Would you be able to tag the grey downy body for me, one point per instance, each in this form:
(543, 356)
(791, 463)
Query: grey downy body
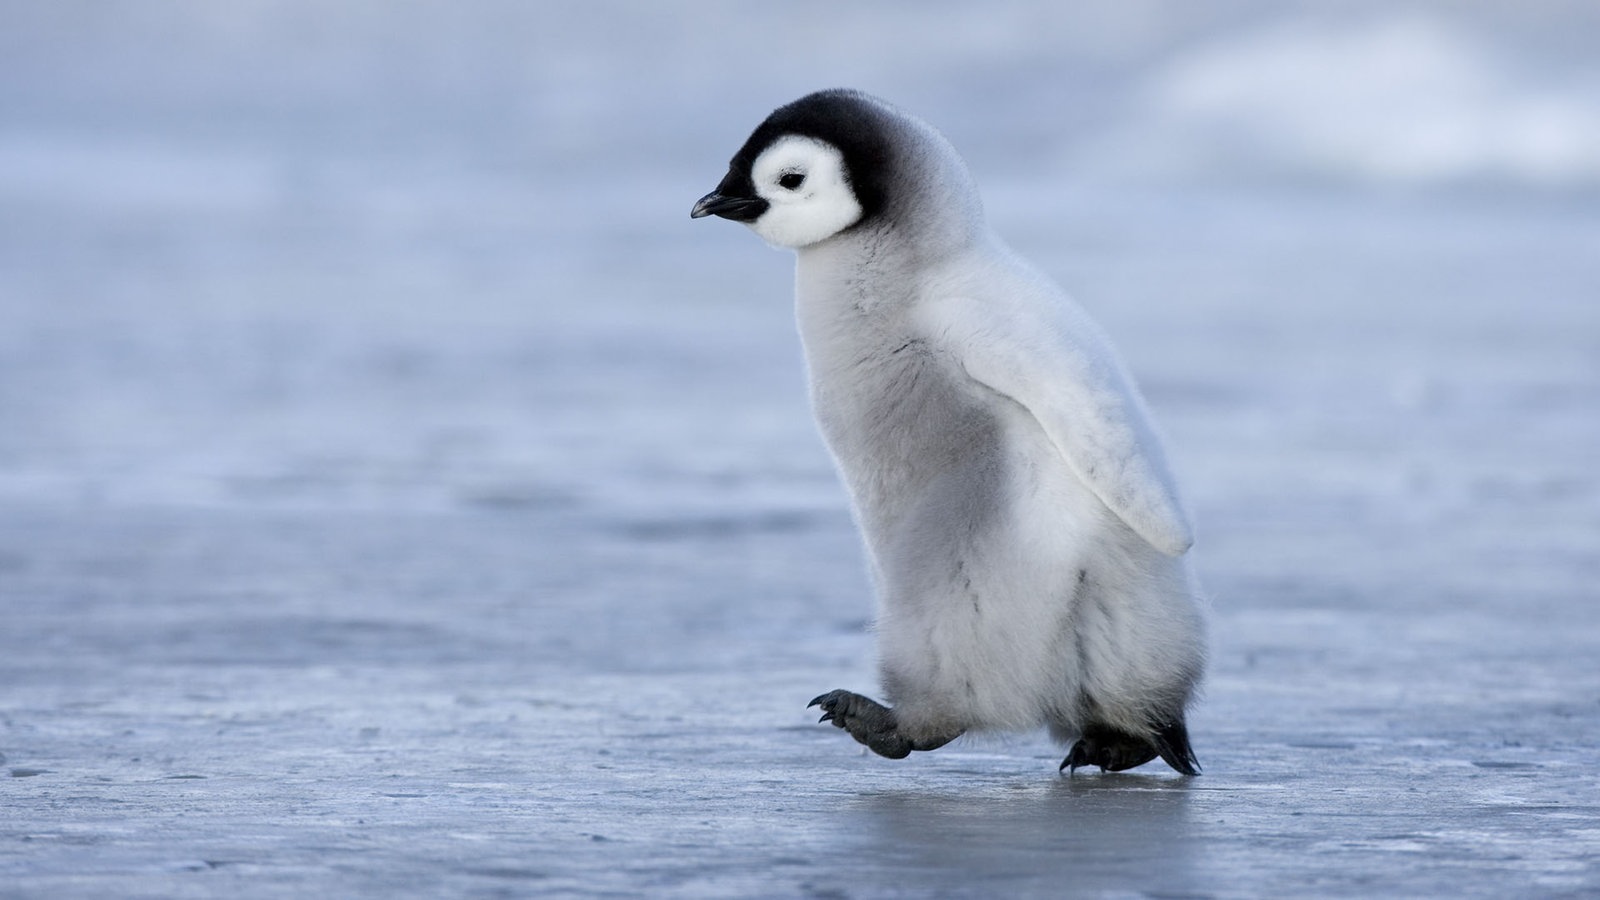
(1025, 537)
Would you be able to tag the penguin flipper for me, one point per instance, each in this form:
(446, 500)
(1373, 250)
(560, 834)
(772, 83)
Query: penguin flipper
(1049, 359)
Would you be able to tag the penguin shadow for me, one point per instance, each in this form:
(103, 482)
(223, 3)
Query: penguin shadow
(1101, 827)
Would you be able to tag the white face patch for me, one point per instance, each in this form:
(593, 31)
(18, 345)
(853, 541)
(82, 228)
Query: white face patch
(803, 181)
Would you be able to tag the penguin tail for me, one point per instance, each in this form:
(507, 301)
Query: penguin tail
(1172, 744)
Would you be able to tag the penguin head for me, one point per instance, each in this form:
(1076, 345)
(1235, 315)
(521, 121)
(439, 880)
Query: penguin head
(812, 169)
(795, 193)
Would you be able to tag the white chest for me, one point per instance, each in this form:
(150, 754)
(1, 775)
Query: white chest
(896, 410)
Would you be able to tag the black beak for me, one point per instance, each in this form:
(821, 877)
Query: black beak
(739, 209)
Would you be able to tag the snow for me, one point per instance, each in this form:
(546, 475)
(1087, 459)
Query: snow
(400, 494)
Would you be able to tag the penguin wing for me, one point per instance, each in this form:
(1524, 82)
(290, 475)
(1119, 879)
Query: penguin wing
(1051, 359)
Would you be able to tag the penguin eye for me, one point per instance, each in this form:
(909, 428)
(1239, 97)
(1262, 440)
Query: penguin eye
(791, 180)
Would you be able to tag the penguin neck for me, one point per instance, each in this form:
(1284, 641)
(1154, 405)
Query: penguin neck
(932, 217)
(882, 264)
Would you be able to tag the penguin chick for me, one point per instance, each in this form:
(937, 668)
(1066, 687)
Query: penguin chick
(1025, 537)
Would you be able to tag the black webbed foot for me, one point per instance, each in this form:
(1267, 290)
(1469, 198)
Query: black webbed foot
(1115, 751)
(873, 724)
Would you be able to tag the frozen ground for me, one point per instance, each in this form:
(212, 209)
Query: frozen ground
(400, 495)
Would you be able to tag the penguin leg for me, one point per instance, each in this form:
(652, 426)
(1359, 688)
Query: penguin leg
(873, 724)
(1114, 751)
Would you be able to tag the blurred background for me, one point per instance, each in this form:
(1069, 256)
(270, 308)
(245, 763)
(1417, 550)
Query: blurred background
(437, 254)
(383, 448)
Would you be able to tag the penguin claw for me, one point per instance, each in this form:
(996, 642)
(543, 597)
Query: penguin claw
(869, 722)
(874, 725)
(1076, 757)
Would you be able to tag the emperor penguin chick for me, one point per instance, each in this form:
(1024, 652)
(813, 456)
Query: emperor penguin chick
(1025, 536)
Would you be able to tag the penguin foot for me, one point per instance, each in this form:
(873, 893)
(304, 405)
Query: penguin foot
(1115, 751)
(873, 724)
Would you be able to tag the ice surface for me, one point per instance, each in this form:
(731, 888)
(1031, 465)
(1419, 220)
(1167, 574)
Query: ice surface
(399, 494)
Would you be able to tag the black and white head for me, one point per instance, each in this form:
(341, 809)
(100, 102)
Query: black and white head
(813, 169)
